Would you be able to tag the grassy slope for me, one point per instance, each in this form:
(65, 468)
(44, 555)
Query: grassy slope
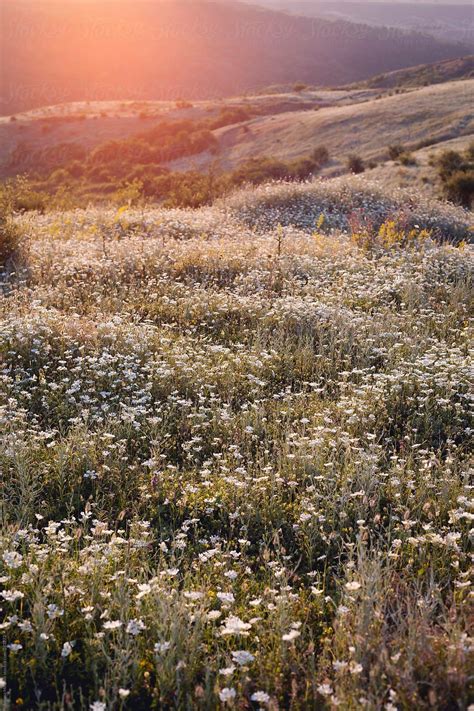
(108, 120)
(291, 125)
(437, 112)
(451, 69)
(420, 175)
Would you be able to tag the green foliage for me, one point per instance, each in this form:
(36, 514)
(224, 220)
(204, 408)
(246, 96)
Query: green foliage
(129, 194)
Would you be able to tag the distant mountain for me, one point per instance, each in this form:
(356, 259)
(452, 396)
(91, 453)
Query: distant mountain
(449, 21)
(54, 51)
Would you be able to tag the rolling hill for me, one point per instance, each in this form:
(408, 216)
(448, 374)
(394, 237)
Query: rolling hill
(435, 113)
(89, 124)
(53, 52)
(286, 126)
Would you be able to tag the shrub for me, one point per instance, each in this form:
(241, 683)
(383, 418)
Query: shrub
(456, 172)
(10, 239)
(395, 151)
(449, 162)
(9, 243)
(406, 158)
(301, 168)
(17, 195)
(320, 155)
(131, 193)
(355, 164)
(181, 104)
(229, 116)
(459, 187)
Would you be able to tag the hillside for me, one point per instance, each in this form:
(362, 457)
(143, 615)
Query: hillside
(89, 124)
(436, 73)
(191, 153)
(418, 172)
(436, 113)
(185, 48)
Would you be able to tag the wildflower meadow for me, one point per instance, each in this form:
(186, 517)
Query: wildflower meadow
(236, 455)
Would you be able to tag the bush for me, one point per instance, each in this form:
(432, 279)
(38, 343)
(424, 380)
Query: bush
(355, 164)
(449, 162)
(459, 188)
(320, 155)
(406, 158)
(131, 193)
(229, 116)
(10, 239)
(9, 243)
(395, 151)
(181, 104)
(301, 169)
(456, 171)
(17, 195)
